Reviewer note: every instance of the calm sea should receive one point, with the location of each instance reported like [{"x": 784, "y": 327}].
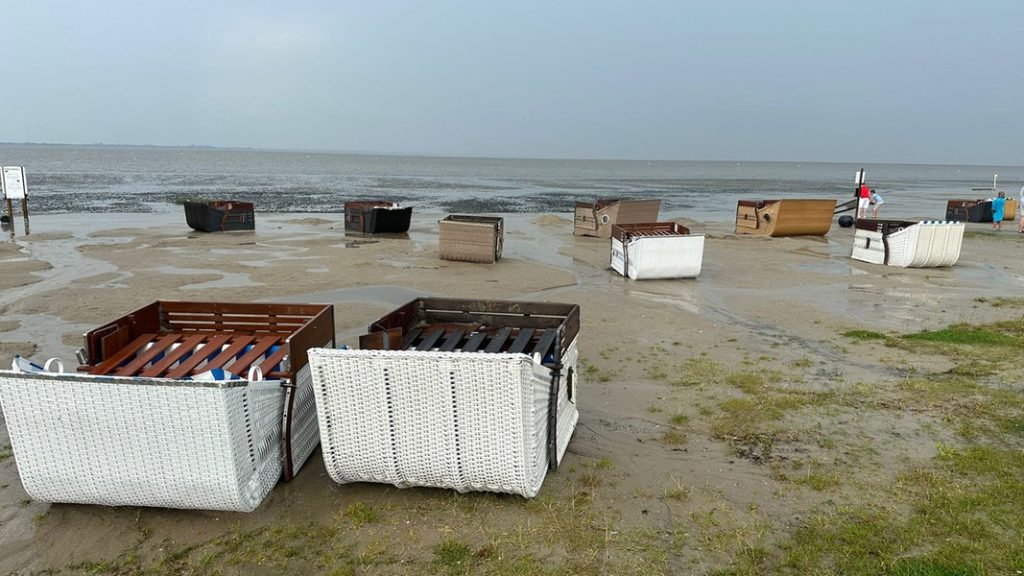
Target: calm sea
[{"x": 147, "y": 179}]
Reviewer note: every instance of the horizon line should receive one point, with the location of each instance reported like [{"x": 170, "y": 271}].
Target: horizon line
[{"x": 475, "y": 157}]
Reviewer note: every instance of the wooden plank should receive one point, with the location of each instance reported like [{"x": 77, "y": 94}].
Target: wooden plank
[
  {"x": 234, "y": 327},
  {"x": 547, "y": 339},
  {"x": 410, "y": 338},
  {"x": 186, "y": 346},
  {"x": 430, "y": 339},
  {"x": 146, "y": 357},
  {"x": 498, "y": 341},
  {"x": 474, "y": 342},
  {"x": 522, "y": 339},
  {"x": 211, "y": 347},
  {"x": 267, "y": 366},
  {"x": 453, "y": 340},
  {"x": 241, "y": 366},
  {"x": 234, "y": 349},
  {"x": 123, "y": 354}
]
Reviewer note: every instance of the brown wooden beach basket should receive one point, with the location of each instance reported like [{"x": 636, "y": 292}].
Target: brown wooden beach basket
[{"x": 471, "y": 238}]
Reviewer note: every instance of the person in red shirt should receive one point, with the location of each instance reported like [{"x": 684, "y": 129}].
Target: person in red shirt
[{"x": 863, "y": 201}]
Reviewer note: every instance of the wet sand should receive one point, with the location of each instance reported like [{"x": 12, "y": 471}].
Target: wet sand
[{"x": 758, "y": 305}]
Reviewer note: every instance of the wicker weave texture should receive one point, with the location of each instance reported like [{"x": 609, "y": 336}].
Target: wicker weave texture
[
  {"x": 77, "y": 439},
  {"x": 464, "y": 421},
  {"x": 469, "y": 242},
  {"x": 923, "y": 245},
  {"x": 305, "y": 431},
  {"x": 646, "y": 258}
]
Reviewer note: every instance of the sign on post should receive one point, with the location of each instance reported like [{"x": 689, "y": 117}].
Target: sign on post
[{"x": 14, "y": 182}]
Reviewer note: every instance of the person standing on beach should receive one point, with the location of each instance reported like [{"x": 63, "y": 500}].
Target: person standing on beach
[
  {"x": 1020, "y": 211},
  {"x": 876, "y": 201},
  {"x": 998, "y": 206},
  {"x": 864, "y": 201}
]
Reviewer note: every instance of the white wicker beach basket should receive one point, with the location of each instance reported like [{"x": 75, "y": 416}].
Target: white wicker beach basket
[
  {"x": 651, "y": 257},
  {"x": 144, "y": 442},
  {"x": 922, "y": 245},
  {"x": 458, "y": 420}
]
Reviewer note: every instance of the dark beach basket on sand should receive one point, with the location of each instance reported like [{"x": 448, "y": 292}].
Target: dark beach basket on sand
[
  {"x": 220, "y": 216},
  {"x": 377, "y": 217}
]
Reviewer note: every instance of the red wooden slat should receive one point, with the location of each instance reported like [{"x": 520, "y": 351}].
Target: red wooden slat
[
  {"x": 273, "y": 360},
  {"x": 123, "y": 354},
  {"x": 229, "y": 353},
  {"x": 241, "y": 366},
  {"x": 186, "y": 346},
  {"x": 146, "y": 357},
  {"x": 210, "y": 347}
]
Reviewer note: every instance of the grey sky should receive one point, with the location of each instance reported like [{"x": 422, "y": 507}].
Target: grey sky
[{"x": 869, "y": 81}]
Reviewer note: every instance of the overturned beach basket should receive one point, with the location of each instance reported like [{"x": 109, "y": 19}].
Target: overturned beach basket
[
  {"x": 969, "y": 211},
  {"x": 978, "y": 210},
  {"x": 656, "y": 250},
  {"x": 220, "y": 216},
  {"x": 377, "y": 217},
  {"x": 597, "y": 218},
  {"x": 908, "y": 244},
  {"x": 468, "y": 395},
  {"x": 471, "y": 238},
  {"x": 151, "y": 420},
  {"x": 794, "y": 217}
]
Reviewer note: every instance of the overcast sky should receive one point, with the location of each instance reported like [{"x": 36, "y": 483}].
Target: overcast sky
[{"x": 868, "y": 81}]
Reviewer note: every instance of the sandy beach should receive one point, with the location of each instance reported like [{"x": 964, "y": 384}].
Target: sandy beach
[{"x": 722, "y": 418}]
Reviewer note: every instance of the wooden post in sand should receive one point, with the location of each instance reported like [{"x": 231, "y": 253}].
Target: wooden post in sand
[{"x": 13, "y": 180}]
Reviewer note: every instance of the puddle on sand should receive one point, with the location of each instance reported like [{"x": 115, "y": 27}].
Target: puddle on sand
[
  {"x": 46, "y": 332},
  {"x": 385, "y": 295},
  {"x": 228, "y": 279},
  {"x": 828, "y": 268}
]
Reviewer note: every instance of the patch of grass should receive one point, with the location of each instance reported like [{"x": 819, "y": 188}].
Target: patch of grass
[
  {"x": 674, "y": 436},
  {"x": 864, "y": 335},
  {"x": 1002, "y": 302},
  {"x": 591, "y": 480},
  {"x": 679, "y": 419},
  {"x": 5, "y": 453},
  {"x": 965, "y": 334},
  {"x": 818, "y": 480},
  {"x": 699, "y": 371},
  {"x": 453, "y": 554},
  {"x": 358, "y": 514},
  {"x": 804, "y": 362},
  {"x": 678, "y": 491},
  {"x": 958, "y": 515}
]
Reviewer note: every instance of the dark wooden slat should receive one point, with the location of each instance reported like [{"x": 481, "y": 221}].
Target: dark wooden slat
[
  {"x": 410, "y": 338},
  {"x": 545, "y": 342},
  {"x": 430, "y": 339},
  {"x": 453, "y": 340},
  {"x": 186, "y": 347},
  {"x": 241, "y": 366},
  {"x": 498, "y": 341},
  {"x": 474, "y": 342},
  {"x": 237, "y": 345},
  {"x": 146, "y": 357},
  {"x": 210, "y": 347},
  {"x": 234, "y": 327},
  {"x": 123, "y": 354},
  {"x": 273, "y": 360},
  {"x": 522, "y": 339}
]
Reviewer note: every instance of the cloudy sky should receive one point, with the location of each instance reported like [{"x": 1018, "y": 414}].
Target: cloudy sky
[{"x": 880, "y": 81}]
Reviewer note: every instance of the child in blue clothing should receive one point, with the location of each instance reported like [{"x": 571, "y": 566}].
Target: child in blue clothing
[{"x": 998, "y": 206}]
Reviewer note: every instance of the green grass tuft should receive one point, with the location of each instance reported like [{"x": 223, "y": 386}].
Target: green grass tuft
[{"x": 864, "y": 335}]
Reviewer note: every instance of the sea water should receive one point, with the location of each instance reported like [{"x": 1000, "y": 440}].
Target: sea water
[{"x": 74, "y": 179}]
